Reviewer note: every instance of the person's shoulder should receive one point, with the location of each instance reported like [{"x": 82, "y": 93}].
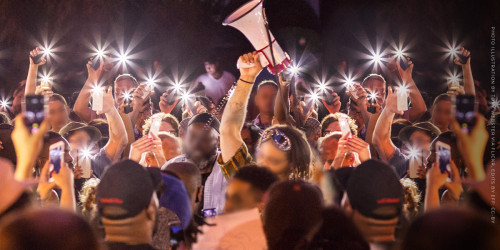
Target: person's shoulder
[
  {"x": 202, "y": 77},
  {"x": 228, "y": 75}
]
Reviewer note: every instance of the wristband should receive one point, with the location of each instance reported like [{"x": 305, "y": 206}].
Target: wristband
[{"x": 245, "y": 81}]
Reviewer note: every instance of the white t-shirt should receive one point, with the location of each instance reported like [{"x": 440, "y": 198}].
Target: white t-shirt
[{"x": 216, "y": 88}]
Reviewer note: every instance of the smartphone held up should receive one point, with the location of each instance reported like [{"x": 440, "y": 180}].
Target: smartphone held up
[
  {"x": 35, "y": 110},
  {"x": 464, "y": 109}
]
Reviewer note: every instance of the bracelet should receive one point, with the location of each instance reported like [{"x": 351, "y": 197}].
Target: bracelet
[{"x": 245, "y": 81}]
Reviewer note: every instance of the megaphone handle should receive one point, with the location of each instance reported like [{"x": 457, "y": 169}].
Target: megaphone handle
[{"x": 262, "y": 58}]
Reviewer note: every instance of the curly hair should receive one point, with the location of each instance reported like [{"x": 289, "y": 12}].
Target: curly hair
[
  {"x": 164, "y": 118},
  {"x": 87, "y": 197},
  {"x": 329, "y": 119},
  {"x": 412, "y": 196}
]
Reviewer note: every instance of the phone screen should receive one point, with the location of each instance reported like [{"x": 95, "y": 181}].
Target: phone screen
[
  {"x": 465, "y": 112},
  {"x": 176, "y": 235},
  {"x": 444, "y": 153},
  {"x": 34, "y": 111},
  {"x": 208, "y": 213},
  {"x": 155, "y": 126},
  {"x": 56, "y": 153},
  {"x": 344, "y": 126}
]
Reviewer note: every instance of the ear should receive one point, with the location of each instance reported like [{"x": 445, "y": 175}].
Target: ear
[
  {"x": 346, "y": 204},
  {"x": 151, "y": 210},
  {"x": 199, "y": 193}
]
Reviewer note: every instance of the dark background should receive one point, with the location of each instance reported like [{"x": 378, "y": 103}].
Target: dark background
[{"x": 179, "y": 34}]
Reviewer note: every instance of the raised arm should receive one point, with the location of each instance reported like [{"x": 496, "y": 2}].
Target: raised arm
[
  {"x": 27, "y": 146},
  {"x": 117, "y": 132},
  {"x": 418, "y": 103},
  {"x": 280, "y": 112},
  {"x": 81, "y": 107},
  {"x": 382, "y": 133},
  {"x": 234, "y": 114},
  {"x": 467, "y": 72},
  {"x": 32, "y": 72}
]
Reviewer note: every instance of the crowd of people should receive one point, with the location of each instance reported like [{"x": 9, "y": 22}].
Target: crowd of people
[{"x": 134, "y": 174}]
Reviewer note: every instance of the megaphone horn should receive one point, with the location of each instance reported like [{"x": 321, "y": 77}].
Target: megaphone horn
[{"x": 250, "y": 20}]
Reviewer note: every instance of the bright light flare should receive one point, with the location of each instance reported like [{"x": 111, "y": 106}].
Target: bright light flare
[
  {"x": 151, "y": 82},
  {"x": 322, "y": 86},
  {"x": 5, "y": 104},
  {"x": 403, "y": 89},
  {"x": 294, "y": 70},
  {"x": 127, "y": 96},
  {"x": 414, "y": 153},
  {"x": 453, "y": 77},
  {"x": 46, "y": 79},
  {"x": 373, "y": 96},
  {"x": 186, "y": 97},
  {"x": 96, "y": 88},
  {"x": 85, "y": 153},
  {"x": 451, "y": 48}
]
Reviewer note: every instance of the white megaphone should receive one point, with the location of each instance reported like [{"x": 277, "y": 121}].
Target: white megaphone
[{"x": 251, "y": 21}]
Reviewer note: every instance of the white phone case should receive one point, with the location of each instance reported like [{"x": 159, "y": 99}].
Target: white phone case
[
  {"x": 415, "y": 162},
  {"x": 402, "y": 101},
  {"x": 85, "y": 164},
  {"x": 97, "y": 100},
  {"x": 155, "y": 126},
  {"x": 344, "y": 126}
]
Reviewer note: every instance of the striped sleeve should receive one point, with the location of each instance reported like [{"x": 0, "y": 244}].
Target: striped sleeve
[{"x": 241, "y": 158}]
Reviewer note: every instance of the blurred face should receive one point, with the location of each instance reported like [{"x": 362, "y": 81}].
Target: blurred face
[
  {"x": 376, "y": 86},
  {"x": 80, "y": 140},
  {"x": 420, "y": 140},
  {"x": 167, "y": 127},
  {"x": 441, "y": 115},
  {"x": 58, "y": 114},
  {"x": 269, "y": 156},
  {"x": 171, "y": 147},
  {"x": 240, "y": 196},
  {"x": 211, "y": 68},
  {"x": 200, "y": 145},
  {"x": 122, "y": 86},
  {"x": 328, "y": 150},
  {"x": 264, "y": 100},
  {"x": 334, "y": 126}
]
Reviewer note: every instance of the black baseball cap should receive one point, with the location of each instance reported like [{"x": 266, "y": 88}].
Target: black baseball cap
[
  {"x": 207, "y": 119},
  {"x": 373, "y": 186},
  {"x": 128, "y": 186}
]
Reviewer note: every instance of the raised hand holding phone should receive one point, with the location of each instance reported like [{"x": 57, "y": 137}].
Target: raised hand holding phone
[
  {"x": 391, "y": 102},
  {"x": 27, "y": 146},
  {"x": 402, "y": 98},
  {"x": 36, "y": 57}
]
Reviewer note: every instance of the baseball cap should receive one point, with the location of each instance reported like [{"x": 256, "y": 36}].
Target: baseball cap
[
  {"x": 128, "y": 186},
  {"x": 427, "y": 127},
  {"x": 374, "y": 186},
  {"x": 206, "y": 118},
  {"x": 176, "y": 198},
  {"x": 68, "y": 129}
]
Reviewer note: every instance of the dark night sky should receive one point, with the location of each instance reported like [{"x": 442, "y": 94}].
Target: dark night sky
[{"x": 182, "y": 33}]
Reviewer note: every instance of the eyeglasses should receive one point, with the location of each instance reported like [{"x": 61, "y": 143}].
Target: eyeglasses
[{"x": 279, "y": 138}]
